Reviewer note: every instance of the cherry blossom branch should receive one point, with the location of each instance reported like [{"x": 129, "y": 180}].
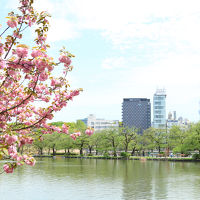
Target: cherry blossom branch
[
  {"x": 3, "y": 81},
  {"x": 14, "y": 39},
  {"x": 24, "y": 29},
  {"x": 4, "y": 31},
  {"x": 33, "y": 125},
  {"x": 4, "y": 111},
  {"x": 2, "y": 172}
]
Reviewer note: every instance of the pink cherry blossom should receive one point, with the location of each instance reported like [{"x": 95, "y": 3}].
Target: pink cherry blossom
[
  {"x": 22, "y": 52},
  {"x": 1, "y": 48},
  {"x": 17, "y": 35},
  {"x": 73, "y": 136},
  {"x": 78, "y": 133},
  {"x": 29, "y": 140},
  {"x": 12, "y": 149},
  {"x": 12, "y": 22},
  {"x": 30, "y": 161},
  {"x": 89, "y": 131},
  {"x": 43, "y": 76},
  {"x": 65, "y": 59},
  {"x": 10, "y": 139},
  {"x": 65, "y": 129},
  {"x": 36, "y": 53},
  {"x": 25, "y": 2},
  {"x": 7, "y": 168}
]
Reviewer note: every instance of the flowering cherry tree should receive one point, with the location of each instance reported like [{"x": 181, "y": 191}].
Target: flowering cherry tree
[{"x": 30, "y": 92}]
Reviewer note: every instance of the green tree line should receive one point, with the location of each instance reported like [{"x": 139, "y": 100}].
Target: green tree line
[{"x": 113, "y": 141}]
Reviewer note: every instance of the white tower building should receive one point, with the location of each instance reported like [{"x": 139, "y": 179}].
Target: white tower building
[{"x": 159, "y": 109}]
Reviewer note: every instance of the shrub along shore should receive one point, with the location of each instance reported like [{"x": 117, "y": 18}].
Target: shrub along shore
[{"x": 143, "y": 159}]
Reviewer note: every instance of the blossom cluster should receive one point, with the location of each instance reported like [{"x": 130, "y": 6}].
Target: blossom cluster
[
  {"x": 89, "y": 131},
  {"x": 28, "y": 81}
]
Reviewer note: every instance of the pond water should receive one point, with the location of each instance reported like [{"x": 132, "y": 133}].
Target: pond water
[{"x": 85, "y": 179}]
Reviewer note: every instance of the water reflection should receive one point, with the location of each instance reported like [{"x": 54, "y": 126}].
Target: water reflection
[{"x": 82, "y": 179}]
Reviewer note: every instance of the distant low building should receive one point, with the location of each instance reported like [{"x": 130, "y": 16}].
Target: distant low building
[
  {"x": 184, "y": 123},
  {"x": 99, "y": 124},
  {"x": 172, "y": 121}
]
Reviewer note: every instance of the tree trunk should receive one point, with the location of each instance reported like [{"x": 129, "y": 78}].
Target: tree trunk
[
  {"x": 159, "y": 149},
  {"x": 143, "y": 153},
  {"x": 90, "y": 150},
  {"x": 22, "y": 149},
  {"x": 114, "y": 152},
  {"x": 54, "y": 151},
  {"x": 126, "y": 148},
  {"x": 81, "y": 151},
  {"x": 41, "y": 151},
  {"x": 133, "y": 152}
]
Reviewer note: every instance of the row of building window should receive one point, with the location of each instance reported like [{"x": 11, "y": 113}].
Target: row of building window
[
  {"x": 158, "y": 98},
  {"x": 157, "y": 102},
  {"x": 102, "y": 123},
  {"x": 157, "y": 121},
  {"x": 159, "y": 107},
  {"x": 159, "y": 116},
  {"x": 101, "y": 127}
]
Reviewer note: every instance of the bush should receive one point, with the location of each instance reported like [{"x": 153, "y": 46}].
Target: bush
[
  {"x": 125, "y": 154},
  {"x": 106, "y": 155},
  {"x": 196, "y": 156},
  {"x": 67, "y": 154},
  {"x": 58, "y": 154}
]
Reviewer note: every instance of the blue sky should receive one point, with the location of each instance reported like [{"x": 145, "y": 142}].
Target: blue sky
[{"x": 126, "y": 49}]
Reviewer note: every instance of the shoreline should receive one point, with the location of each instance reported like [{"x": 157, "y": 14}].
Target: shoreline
[{"x": 177, "y": 159}]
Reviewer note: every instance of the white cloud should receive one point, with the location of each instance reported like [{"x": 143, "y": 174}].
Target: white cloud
[
  {"x": 123, "y": 21},
  {"x": 114, "y": 63},
  {"x": 61, "y": 29}
]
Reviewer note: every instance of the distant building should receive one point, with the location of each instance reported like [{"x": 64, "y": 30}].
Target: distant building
[
  {"x": 159, "y": 109},
  {"x": 136, "y": 112},
  {"x": 99, "y": 124},
  {"x": 172, "y": 121},
  {"x": 184, "y": 123}
]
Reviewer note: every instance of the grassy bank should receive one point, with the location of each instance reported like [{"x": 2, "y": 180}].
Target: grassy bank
[{"x": 184, "y": 159}]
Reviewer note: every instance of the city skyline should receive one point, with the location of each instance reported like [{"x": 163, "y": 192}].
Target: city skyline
[{"x": 151, "y": 44}]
